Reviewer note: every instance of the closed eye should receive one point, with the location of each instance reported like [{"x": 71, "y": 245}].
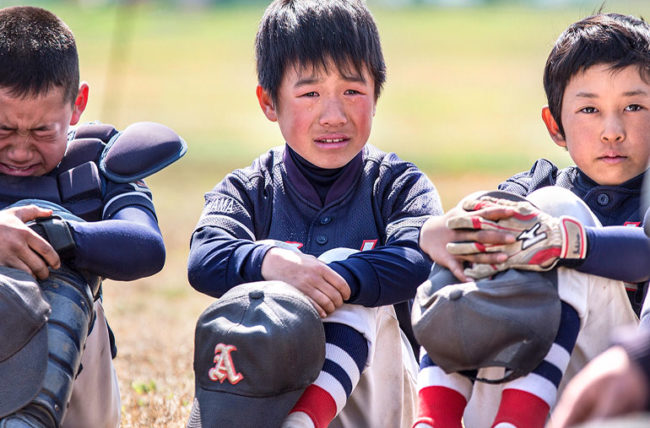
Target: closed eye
[
  {"x": 44, "y": 135},
  {"x": 6, "y": 131}
]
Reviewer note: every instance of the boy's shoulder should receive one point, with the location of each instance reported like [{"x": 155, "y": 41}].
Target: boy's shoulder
[
  {"x": 261, "y": 168},
  {"x": 100, "y": 163},
  {"x": 543, "y": 173},
  {"x": 387, "y": 161},
  {"x": 140, "y": 150}
]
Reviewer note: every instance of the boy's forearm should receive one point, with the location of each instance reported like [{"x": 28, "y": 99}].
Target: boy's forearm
[
  {"x": 617, "y": 252},
  {"x": 125, "y": 248},
  {"x": 218, "y": 261},
  {"x": 386, "y": 275}
]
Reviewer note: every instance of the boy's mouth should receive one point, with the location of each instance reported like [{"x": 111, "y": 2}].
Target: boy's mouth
[
  {"x": 612, "y": 158},
  {"x": 19, "y": 171},
  {"x": 333, "y": 141}
]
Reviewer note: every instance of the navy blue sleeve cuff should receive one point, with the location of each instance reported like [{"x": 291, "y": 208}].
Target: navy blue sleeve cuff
[
  {"x": 252, "y": 267},
  {"x": 358, "y": 296},
  {"x": 617, "y": 252}
]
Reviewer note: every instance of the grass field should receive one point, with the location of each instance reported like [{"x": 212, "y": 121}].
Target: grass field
[{"x": 462, "y": 101}]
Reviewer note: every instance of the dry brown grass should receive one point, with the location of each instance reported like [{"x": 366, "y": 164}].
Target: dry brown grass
[{"x": 153, "y": 319}]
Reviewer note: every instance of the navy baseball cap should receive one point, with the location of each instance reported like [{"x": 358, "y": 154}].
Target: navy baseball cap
[
  {"x": 256, "y": 349},
  {"x": 23, "y": 339},
  {"x": 509, "y": 320}
]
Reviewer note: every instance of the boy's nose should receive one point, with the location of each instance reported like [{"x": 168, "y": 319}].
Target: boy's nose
[
  {"x": 333, "y": 113},
  {"x": 613, "y": 131},
  {"x": 20, "y": 150}
]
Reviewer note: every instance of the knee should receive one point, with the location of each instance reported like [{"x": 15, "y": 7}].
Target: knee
[{"x": 558, "y": 201}]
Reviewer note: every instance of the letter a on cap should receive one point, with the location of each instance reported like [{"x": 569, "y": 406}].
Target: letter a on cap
[{"x": 224, "y": 366}]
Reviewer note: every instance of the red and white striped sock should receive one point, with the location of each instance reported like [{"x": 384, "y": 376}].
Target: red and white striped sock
[
  {"x": 318, "y": 404},
  {"x": 442, "y": 397},
  {"x": 440, "y": 407},
  {"x": 521, "y": 409},
  {"x": 346, "y": 353}
]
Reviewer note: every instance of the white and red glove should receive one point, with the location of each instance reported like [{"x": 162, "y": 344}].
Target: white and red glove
[{"x": 541, "y": 240}]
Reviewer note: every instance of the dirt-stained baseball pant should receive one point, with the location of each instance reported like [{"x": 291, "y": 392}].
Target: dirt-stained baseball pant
[
  {"x": 602, "y": 305},
  {"x": 386, "y": 393},
  {"x": 95, "y": 400}
]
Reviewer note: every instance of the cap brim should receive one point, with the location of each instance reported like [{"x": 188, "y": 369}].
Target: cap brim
[
  {"x": 22, "y": 374},
  {"x": 219, "y": 409}
]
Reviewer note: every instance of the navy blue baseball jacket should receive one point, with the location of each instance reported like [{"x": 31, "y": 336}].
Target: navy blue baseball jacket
[
  {"x": 619, "y": 253},
  {"x": 126, "y": 244},
  {"x": 376, "y": 203}
]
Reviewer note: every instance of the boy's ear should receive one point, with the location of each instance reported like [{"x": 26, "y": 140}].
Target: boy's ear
[
  {"x": 266, "y": 102},
  {"x": 79, "y": 103},
  {"x": 552, "y": 126}
]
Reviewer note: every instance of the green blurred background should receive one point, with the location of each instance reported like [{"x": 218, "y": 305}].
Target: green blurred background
[
  {"x": 463, "y": 93},
  {"x": 462, "y": 99}
]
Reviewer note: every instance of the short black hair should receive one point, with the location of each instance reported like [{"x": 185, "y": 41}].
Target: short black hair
[
  {"x": 310, "y": 33},
  {"x": 37, "y": 53},
  {"x": 613, "y": 39}
]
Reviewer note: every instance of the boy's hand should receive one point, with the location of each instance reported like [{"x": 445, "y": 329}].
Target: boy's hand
[
  {"x": 610, "y": 385},
  {"x": 325, "y": 288},
  {"x": 541, "y": 240},
  {"x": 435, "y": 236},
  {"x": 21, "y": 247}
]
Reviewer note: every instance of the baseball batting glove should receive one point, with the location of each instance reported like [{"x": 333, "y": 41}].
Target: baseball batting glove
[{"x": 541, "y": 240}]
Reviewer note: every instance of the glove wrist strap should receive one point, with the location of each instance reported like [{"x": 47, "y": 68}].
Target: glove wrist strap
[
  {"x": 574, "y": 239},
  {"x": 55, "y": 231}
]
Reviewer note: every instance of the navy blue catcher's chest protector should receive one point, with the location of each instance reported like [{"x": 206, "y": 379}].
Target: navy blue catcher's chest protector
[{"x": 97, "y": 156}]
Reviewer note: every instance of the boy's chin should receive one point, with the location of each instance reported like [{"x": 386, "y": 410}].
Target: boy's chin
[
  {"x": 331, "y": 162},
  {"x": 615, "y": 180}
]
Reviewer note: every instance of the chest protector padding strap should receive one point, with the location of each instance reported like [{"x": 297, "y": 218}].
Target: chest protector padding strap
[
  {"x": 102, "y": 131},
  {"x": 80, "y": 151},
  {"x": 81, "y": 189}
]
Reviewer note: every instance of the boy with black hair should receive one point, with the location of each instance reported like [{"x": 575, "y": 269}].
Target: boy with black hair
[
  {"x": 72, "y": 212},
  {"x": 597, "y": 81},
  {"x": 320, "y": 70}
]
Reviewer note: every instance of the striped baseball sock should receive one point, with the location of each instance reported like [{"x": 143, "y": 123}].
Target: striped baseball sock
[
  {"x": 525, "y": 402},
  {"x": 346, "y": 353},
  {"x": 442, "y": 397}
]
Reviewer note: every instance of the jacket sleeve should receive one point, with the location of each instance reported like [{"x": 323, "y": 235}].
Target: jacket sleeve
[
  {"x": 223, "y": 252},
  {"x": 543, "y": 173},
  {"x": 125, "y": 247},
  {"x": 391, "y": 273},
  {"x": 126, "y": 244},
  {"x": 617, "y": 252}
]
